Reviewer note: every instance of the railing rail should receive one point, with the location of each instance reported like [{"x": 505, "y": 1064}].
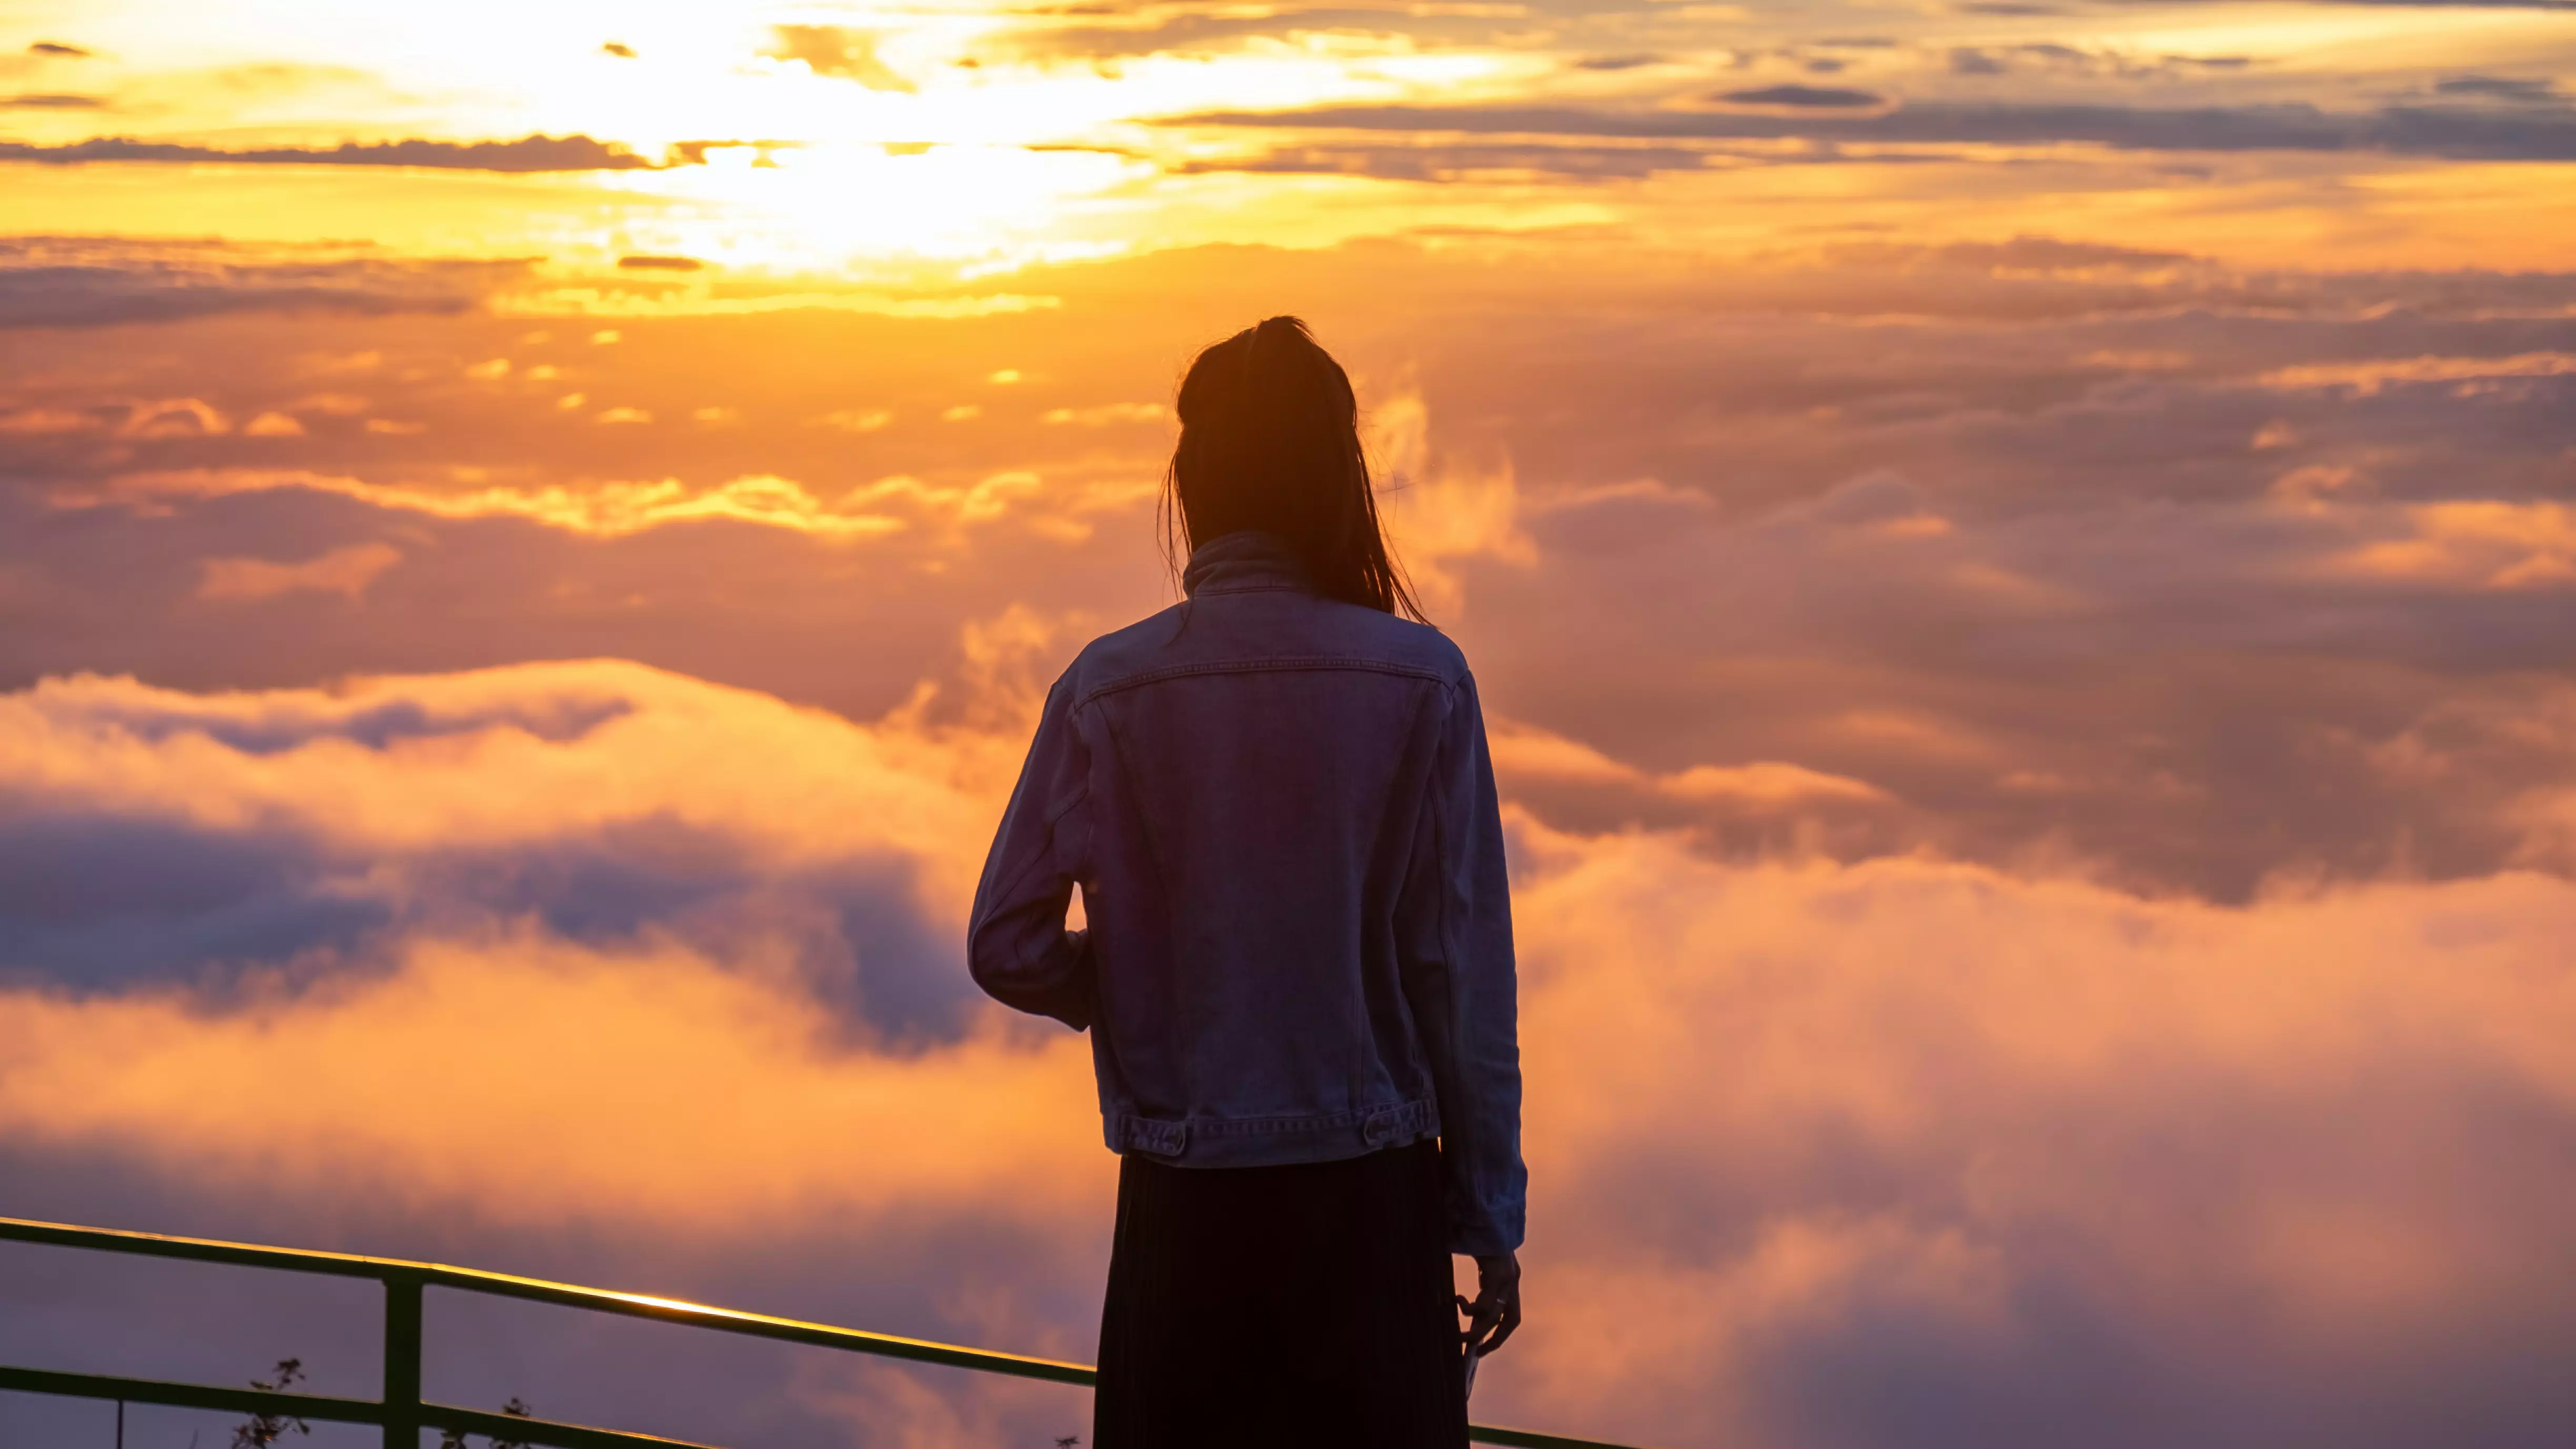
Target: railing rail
[{"x": 403, "y": 1413}]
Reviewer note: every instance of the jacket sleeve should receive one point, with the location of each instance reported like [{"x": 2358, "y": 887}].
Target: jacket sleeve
[
  {"x": 1455, "y": 925},
  {"x": 1017, "y": 946}
]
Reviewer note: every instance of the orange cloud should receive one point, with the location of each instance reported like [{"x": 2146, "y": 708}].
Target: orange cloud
[
  {"x": 1525, "y": 754},
  {"x": 2371, "y": 376},
  {"x": 519, "y": 753},
  {"x": 2477, "y": 543},
  {"x": 605, "y": 510},
  {"x": 1438, "y": 512},
  {"x": 537, "y": 1081},
  {"x": 345, "y": 571}
]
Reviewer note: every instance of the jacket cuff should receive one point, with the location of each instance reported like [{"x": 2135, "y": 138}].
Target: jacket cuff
[{"x": 1482, "y": 1240}]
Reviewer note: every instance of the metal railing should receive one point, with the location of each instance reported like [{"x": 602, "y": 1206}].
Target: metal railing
[{"x": 402, "y": 1413}]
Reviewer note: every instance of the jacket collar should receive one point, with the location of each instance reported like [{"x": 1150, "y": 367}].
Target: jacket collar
[{"x": 1243, "y": 562}]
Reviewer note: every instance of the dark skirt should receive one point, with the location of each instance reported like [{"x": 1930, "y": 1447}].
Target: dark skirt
[{"x": 1304, "y": 1305}]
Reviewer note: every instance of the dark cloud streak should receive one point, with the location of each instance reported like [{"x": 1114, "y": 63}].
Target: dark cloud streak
[
  {"x": 535, "y": 153},
  {"x": 1802, "y": 98},
  {"x": 2458, "y": 133},
  {"x": 75, "y": 282}
]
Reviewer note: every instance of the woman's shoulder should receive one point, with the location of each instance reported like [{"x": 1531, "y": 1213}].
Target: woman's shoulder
[{"x": 1406, "y": 640}]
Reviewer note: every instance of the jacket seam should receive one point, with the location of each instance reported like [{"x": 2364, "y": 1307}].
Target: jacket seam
[
  {"x": 1282, "y": 664},
  {"x": 1404, "y": 881},
  {"x": 1206, "y": 590},
  {"x": 1451, "y": 1028},
  {"x": 1042, "y": 858}
]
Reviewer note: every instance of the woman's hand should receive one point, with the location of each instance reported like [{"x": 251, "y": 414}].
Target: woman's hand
[{"x": 1497, "y": 1309}]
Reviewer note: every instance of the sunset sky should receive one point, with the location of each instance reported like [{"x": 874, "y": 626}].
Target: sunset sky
[{"x": 2020, "y": 559}]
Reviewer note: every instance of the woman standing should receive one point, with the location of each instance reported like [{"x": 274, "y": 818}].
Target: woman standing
[{"x": 1297, "y": 966}]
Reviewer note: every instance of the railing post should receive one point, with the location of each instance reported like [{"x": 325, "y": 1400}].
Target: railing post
[{"x": 402, "y": 1361}]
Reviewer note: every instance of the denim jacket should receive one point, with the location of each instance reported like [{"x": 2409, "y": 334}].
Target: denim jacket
[{"x": 1298, "y": 939}]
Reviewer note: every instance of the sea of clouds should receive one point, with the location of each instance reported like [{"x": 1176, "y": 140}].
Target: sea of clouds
[{"x": 2039, "y": 782}]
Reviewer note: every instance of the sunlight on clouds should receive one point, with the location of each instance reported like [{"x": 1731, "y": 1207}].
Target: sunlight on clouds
[
  {"x": 535, "y": 750},
  {"x": 1526, "y": 755},
  {"x": 2369, "y": 378},
  {"x": 2483, "y": 544},
  {"x": 605, "y": 509},
  {"x": 645, "y": 1079},
  {"x": 1768, "y": 783},
  {"x": 816, "y": 207},
  {"x": 1437, "y": 512},
  {"x": 1938, "y": 1099}
]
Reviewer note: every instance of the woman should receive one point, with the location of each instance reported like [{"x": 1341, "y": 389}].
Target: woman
[{"x": 1297, "y": 964}]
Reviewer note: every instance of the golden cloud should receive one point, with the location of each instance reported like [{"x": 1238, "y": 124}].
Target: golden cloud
[{"x": 539, "y": 1081}]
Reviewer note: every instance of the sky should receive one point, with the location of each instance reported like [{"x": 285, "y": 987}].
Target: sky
[{"x": 2019, "y": 556}]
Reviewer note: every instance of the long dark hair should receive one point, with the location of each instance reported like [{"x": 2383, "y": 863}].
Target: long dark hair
[{"x": 1270, "y": 440}]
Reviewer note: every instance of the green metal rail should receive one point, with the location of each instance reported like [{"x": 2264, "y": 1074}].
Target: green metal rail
[{"x": 402, "y": 1413}]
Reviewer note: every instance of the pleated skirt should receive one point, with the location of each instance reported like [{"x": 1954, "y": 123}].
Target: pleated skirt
[{"x": 1305, "y": 1305}]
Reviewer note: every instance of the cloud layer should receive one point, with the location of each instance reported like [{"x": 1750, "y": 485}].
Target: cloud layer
[
  {"x": 1833, "y": 1155},
  {"x": 2116, "y": 559}
]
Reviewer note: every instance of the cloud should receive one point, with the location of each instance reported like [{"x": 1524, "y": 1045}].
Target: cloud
[
  {"x": 2478, "y": 545},
  {"x": 2513, "y": 90},
  {"x": 1766, "y": 783},
  {"x": 58, "y": 49},
  {"x": 1949, "y": 1133},
  {"x": 608, "y": 509},
  {"x": 343, "y": 571},
  {"x": 233, "y": 843},
  {"x": 2460, "y": 133},
  {"x": 40, "y": 102},
  {"x": 1439, "y": 512},
  {"x": 1530, "y": 759},
  {"x": 1109, "y": 414},
  {"x": 2367, "y": 378},
  {"x": 1450, "y": 162},
  {"x": 174, "y": 418},
  {"x": 687, "y": 1094},
  {"x": 1103, "y": 35},
  {"x": 1800, "y": 98},
  {"x": 532, "y": 153},
  {"x": 47, "y": 420},
  {"x": 2475, "y": 4},
  {"x": 838, "y": 51},
  {"x": 81, "y": 282}
]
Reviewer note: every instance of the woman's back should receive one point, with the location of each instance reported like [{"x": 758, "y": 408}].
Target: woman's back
[{"x": 1280, "y": 812}]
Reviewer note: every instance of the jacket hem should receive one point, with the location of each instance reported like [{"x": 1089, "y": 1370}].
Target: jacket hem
[{"x": 1270, "y": 1141}]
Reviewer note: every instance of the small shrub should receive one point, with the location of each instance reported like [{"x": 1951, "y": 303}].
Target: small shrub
[{"x": 262, "y": 1430}]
